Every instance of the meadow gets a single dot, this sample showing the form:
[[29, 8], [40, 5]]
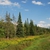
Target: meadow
[[14, 43], [16, 35], [41, 42]]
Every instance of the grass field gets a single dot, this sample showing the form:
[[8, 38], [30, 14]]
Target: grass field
[[15, 43], [28, 43], [42, 43]]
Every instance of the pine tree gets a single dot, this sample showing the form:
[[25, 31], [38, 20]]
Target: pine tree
[[19, 31], [26, 28], [31, 28], [14, 22]]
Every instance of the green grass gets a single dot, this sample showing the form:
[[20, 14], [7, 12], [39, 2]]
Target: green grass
[[15, 43], [42, 43]]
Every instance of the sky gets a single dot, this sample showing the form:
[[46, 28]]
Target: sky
[[37, 10]]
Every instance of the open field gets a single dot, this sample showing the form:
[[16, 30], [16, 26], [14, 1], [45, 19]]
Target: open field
[[13, 42], [24, 25], [28, 43], [42, 43]]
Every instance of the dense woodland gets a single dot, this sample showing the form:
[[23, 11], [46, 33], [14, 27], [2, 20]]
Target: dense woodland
[[8, 28]]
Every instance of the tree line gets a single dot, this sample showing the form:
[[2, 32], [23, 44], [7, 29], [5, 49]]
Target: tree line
[[10, 29]]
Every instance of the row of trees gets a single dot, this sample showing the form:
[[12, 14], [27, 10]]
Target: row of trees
[[9, 29], [25, 29]]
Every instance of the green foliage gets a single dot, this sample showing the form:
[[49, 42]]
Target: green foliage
[[2, 29], [41, 43], [37, 43], [31, 28], [2, 33], [9, 29], [19, 31], [26, 28]]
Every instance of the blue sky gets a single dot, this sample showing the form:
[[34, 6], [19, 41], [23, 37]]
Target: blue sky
[[37, 10]]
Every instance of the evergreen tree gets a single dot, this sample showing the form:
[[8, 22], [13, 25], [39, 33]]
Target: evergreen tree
[[19, 31], [26, 28], [31, 28], [14, 22]]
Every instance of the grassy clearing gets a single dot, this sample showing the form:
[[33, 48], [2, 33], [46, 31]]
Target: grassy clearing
[[16, 43], [42, 43]]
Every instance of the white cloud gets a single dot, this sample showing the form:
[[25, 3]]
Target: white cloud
[[43, 24], [37, 2], [8, 2], [5, 2], [16, 4], [49, 25], [26, 10], [24, 1], [48, 2], [48, 18]]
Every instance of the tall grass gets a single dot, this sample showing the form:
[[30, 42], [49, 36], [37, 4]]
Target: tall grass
[[42, 43], [16, 43]]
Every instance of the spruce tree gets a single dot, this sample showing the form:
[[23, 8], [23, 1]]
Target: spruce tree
[[31, 28], [26, 28], [19, 31]]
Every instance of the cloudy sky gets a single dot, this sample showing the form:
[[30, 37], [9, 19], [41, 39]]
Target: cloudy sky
[[37, 10]]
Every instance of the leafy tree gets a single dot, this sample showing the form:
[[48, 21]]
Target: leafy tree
[[2, 29], [19, 31], [9, 27]]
